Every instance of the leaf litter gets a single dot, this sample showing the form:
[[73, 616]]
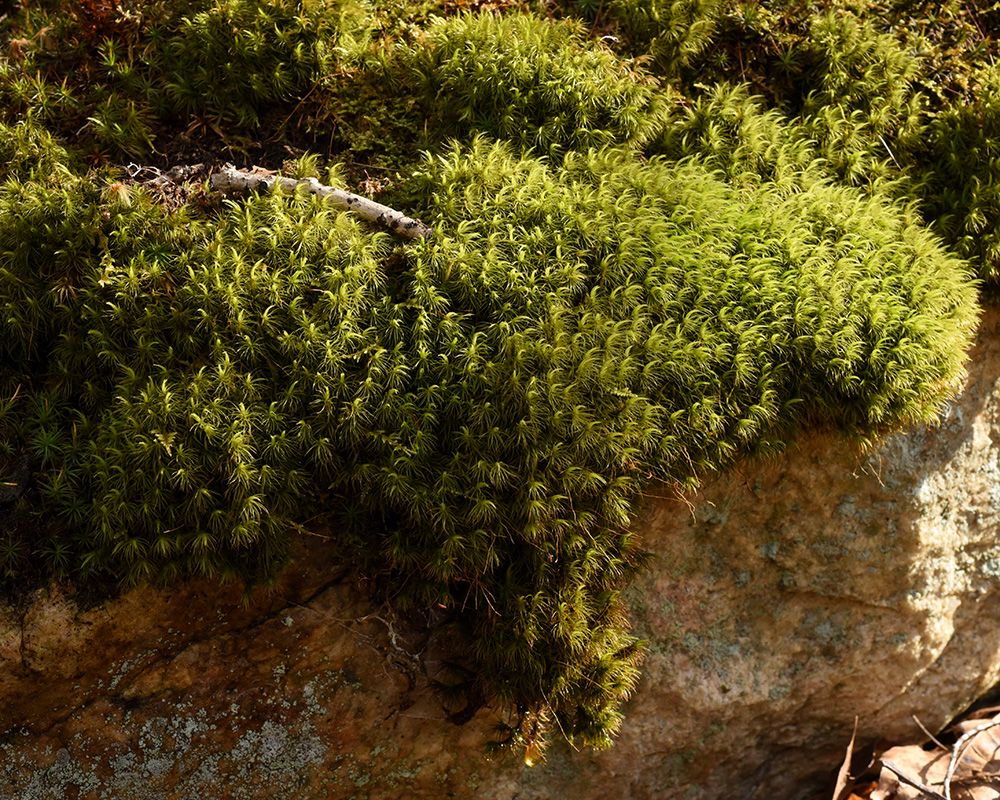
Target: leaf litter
[[968, 769]]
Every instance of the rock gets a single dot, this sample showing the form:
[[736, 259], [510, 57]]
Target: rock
[[782, 601]]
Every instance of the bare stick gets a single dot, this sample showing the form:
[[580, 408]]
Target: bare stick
[[911, 781], [930, 735], [228, 179]]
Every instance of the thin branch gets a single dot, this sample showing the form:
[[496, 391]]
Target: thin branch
[[228, 179], [912, 781], [930, 735], [960, 746]]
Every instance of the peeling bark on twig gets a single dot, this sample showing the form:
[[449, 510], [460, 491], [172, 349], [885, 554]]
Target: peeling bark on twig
[[228, 179]]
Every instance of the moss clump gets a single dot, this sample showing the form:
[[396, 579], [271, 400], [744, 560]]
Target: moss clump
[[961, 180], [152, 364], [672, 32], [474, 416], [729, 130], [861, 98], [631, 320], [29, 152], [238, 56], [530, 81], [676, 243], [631, 280]]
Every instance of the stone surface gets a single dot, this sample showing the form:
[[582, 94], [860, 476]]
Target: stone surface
[[782, 601]]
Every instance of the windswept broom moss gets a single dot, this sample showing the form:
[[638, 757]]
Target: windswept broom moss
[[959, 162], [674, 242], [868, 100], [861, 97], [889, 95], [29, 152], [730, 131], [672, 32], [474, 417], [237, 56], [536, 83], [851, 110], [129, 75]]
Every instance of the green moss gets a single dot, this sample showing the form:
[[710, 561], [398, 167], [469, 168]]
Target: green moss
[[538, 84], [861, 98], [728, 129], [671, 32], [29, 152], [239, 55], [627, 282], [962, 178]]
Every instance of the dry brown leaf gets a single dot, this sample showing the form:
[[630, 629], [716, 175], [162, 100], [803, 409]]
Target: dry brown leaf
[[976, 775], [921, 766], [863, 791], [844, 782], [982, 714], [978, 768], [983, 750]]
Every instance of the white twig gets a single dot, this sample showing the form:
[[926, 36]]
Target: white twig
[[228, 179], [960, 746]]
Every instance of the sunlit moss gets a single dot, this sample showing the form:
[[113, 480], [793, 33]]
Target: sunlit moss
[[631, 279]]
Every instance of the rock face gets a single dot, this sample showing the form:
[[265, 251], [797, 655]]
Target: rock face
[[782, 601]]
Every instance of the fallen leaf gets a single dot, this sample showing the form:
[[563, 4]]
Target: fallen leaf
[[844, 784], [976, 775], [921, 766]]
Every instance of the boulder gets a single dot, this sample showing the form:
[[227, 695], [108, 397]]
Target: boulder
[[782, 601]]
